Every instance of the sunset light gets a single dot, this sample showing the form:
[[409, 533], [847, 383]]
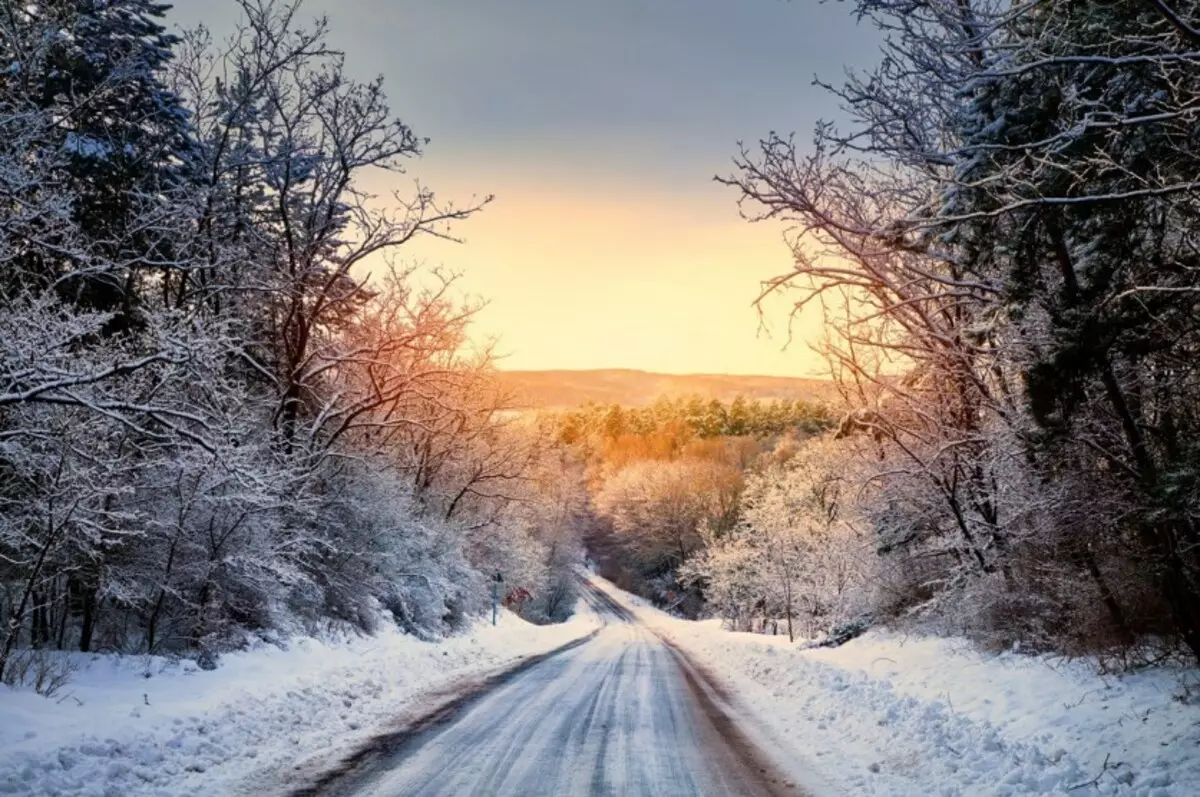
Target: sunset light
[[609, 398], [616, 278], [598, 128]]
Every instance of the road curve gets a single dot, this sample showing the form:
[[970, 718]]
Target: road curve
[[620, 715]]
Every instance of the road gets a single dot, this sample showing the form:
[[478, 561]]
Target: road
[[621, 714]]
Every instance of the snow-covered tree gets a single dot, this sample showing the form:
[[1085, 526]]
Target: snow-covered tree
[[998, 241], [798, 551], [1073, 156], [658, 506], [113, 141], [214, 421]]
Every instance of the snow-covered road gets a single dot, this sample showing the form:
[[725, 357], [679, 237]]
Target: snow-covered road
[[621, 714]]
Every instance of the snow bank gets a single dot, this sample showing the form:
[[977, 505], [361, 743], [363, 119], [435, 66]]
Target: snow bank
[[898, 716], [264, 721]]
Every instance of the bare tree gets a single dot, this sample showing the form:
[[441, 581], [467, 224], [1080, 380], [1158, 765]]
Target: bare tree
[[996, 245]]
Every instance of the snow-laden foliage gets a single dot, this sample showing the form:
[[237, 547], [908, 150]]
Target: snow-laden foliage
[[798, 556], [1001, 240], [211, 423], [661, 505], [663, 478]]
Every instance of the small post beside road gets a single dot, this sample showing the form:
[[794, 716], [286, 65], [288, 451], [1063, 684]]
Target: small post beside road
[[496, 581]]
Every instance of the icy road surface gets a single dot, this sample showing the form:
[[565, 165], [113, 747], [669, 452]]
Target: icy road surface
[[619, 715]]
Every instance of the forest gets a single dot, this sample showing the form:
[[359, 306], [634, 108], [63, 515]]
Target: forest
[[226, 409], [662, 480], [872, 470], [1001, 239], [230, 411]]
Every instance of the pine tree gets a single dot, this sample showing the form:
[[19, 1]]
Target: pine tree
[[738, 421], [123, 133]]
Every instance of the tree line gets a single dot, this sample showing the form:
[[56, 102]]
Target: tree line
[[693, 417], [225, 408]]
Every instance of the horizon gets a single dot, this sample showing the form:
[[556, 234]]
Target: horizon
[[619, 369]]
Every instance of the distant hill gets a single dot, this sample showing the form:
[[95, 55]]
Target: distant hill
[[634, 388]]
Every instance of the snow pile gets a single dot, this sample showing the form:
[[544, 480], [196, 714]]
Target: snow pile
[[889, 715], [264, 720]]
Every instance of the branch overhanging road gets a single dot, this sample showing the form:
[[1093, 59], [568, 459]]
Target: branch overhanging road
[[619, 714]]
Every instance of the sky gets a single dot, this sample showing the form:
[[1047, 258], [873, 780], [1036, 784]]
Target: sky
[[598, 125]]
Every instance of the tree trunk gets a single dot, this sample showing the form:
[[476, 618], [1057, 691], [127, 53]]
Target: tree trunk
[[152, 623], [788, 596], [91, 608], [40, 630], [1106, 595], [18, 617], [63, 616], [1184, 601]]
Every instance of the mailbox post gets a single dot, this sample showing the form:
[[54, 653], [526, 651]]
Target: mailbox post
[[497, 580]]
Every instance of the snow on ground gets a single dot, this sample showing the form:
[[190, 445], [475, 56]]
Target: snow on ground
[[262, 722], [898, 716]]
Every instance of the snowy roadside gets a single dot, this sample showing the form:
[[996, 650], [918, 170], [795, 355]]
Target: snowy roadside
[[890, 716], [263, 722]]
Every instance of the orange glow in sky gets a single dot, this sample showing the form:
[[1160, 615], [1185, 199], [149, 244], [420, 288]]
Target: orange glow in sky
[[598, 127], [615, 277]]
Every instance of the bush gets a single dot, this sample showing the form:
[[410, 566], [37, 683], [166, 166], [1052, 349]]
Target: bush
[[44, 671]]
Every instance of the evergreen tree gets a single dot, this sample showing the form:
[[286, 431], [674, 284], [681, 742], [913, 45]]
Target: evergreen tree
[[124, 135], [1076, 191], [738, 421], [615, 422], [713, 423]]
